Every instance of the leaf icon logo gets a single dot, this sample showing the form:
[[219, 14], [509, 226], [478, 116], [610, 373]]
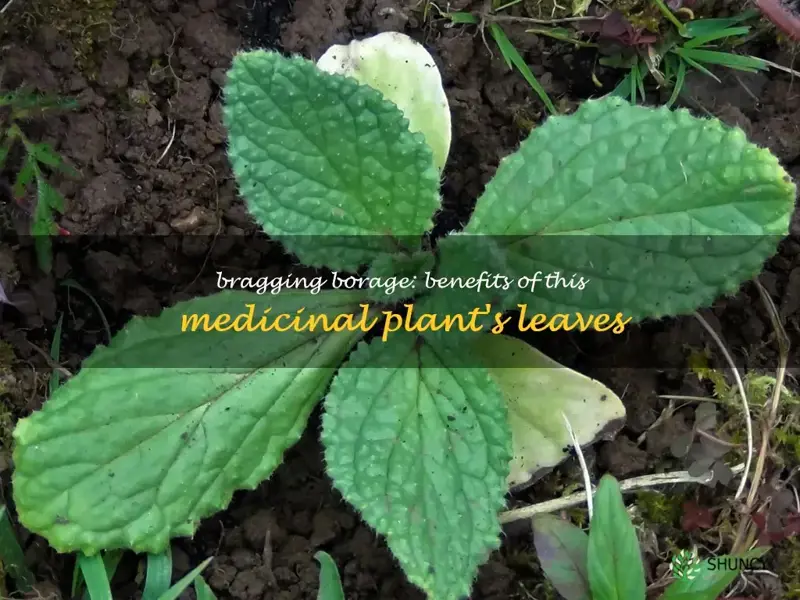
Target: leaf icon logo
[[685, 564]]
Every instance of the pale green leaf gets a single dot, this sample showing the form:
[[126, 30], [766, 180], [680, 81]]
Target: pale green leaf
[[537, 391], [159, 429], [416, 438], [616, 570], [405, 73], [662, 211], [562, 549], [326, 165]]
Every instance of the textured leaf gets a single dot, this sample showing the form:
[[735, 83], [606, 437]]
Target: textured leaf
[[616, 571], [127, 455], [419, 443], [662, 211], [537, 391], [320, 158], [405, 73], [562, 551]]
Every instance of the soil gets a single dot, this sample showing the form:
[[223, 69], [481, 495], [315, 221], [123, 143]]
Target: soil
[[149, 145]]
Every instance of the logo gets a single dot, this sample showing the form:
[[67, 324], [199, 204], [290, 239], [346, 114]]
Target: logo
[[685, 565]]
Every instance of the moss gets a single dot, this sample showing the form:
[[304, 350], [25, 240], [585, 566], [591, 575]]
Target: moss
[[659, 509], [84, 23], [547, 9], [788, 566]]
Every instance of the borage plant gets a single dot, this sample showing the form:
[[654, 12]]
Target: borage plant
[[662, 211]]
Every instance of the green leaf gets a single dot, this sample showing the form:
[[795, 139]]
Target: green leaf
[[158, 429], [110, 562], [326, 165], [330, 584], [55, 353], [159, 575], [401, 69], [5, 146], [202, 590], [716, 35], [185, 581], [45, 154], [725, 59], [700, 27], [661, 211], [417, 439], [12, 558], [26, 174], [562, 549], [710, 578], [537, 390], [513, 59], [94, 574], [462, 18], [616, 571]]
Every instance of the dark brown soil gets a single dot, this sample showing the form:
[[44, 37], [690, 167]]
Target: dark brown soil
[[150, 147]]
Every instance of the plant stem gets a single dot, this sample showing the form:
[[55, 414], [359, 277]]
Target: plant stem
[[628, 485], [670, 16]]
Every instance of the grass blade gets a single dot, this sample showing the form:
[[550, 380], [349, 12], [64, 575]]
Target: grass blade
[[55, 353], [159, 575], [623, 89], [680, 78], [330, 584], [693, 63], [706, 26], [726, 59], [111, 560], [512, 57], [12, 557], [462, 18], [71, 283], [716, 35], [95, 576], [185, 581], [202, 590]]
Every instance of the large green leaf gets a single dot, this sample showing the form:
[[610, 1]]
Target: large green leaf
[[562, 549], [538, 391], [160, 428], [419, 443], [321, 159], [616, 570], [660, 210]]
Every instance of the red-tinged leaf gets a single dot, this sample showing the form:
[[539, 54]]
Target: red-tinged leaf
[[696, 517], [562, 549]]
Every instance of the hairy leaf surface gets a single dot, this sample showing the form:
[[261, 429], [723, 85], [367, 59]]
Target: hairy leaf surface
[[327, 166], [660, 210], [420, 445], [158, 429]]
